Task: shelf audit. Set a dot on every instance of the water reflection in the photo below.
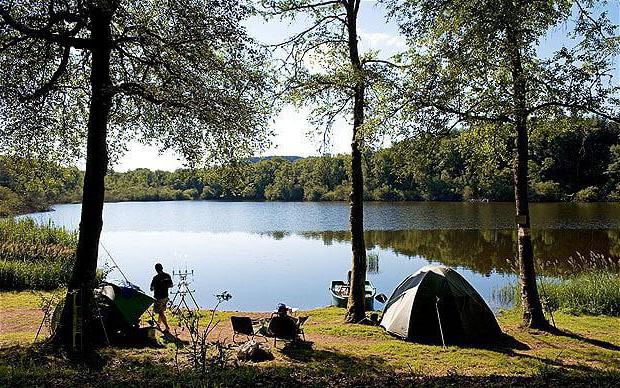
(491, 250)
(265, 253)
(372, 263)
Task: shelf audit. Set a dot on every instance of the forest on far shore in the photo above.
(571, 159)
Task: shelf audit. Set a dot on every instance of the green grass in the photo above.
(34, 256)
(591, 292)
(26, 299)
(583, 352)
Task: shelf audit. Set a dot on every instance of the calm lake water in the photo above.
(264, 253)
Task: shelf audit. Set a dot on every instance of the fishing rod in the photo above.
(126, 280)
(114, 261)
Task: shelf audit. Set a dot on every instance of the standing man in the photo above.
(160, 285)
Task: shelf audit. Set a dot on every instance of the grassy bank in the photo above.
(592, 293)
(34, 256)
(584, 352)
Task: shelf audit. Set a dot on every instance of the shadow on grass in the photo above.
(334, 362)
(504, 343)
(591, 341)
(32, 366)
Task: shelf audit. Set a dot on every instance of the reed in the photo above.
(35, 256)
(593, 292)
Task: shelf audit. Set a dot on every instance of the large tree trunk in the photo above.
(533, 315)
(356, 307)
(83, 277)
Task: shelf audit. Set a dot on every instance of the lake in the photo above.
(265, 253)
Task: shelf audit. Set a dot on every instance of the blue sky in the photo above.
(291, 126)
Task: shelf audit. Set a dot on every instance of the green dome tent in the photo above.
(437, 301)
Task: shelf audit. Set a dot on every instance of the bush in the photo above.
(546, 191)
(385, 193)
(314, 193)
(339, 193)
(589, 194)
(10, 203)
(190, 194)
(467, 194)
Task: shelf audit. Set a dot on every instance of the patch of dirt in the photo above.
(19, 320)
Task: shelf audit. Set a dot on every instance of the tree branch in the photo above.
(580, 107)
(282, 10)
(62, 68)
(467, 115)
(381, 61)
(44, 33)
(595, 23)
(304, 32)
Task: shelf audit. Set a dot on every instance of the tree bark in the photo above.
(356, 304)
(83, 277)
(533, 315)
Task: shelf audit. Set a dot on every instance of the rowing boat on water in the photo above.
(340, 294)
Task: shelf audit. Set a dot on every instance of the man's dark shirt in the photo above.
(160, 284)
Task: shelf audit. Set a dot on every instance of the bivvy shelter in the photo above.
(120, 307)
(128, 301)
(436, 304)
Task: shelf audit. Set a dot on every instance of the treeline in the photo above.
(27, 185)
(570, 160)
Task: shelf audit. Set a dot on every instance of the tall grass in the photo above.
(27, 231)
(35, 256)
(592, 293)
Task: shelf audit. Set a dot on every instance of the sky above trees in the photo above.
(290, 125)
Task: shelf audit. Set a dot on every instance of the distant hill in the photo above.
(256, 159)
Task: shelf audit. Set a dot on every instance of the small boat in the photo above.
(340, 294)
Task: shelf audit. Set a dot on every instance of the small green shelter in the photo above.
(436, 304)
(129, 302)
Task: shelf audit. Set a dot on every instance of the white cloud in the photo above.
(388, 44)
(291, 129)
(145, 156)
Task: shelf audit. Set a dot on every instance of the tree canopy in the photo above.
(462, 55)
(185, 77)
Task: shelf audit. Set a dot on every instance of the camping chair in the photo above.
(245, 326)
(286, 328)
(300, 324)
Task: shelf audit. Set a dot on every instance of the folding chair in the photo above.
(244, 326)
(300, 324)
(286, 328)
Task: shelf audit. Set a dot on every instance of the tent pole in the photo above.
(443, 341)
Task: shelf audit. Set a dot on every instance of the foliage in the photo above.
(28, 185)
(546, 191)
(205, 355)
(34, 256)
(184, 75)
(469, 58)
(589, 194)
(471, 164)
